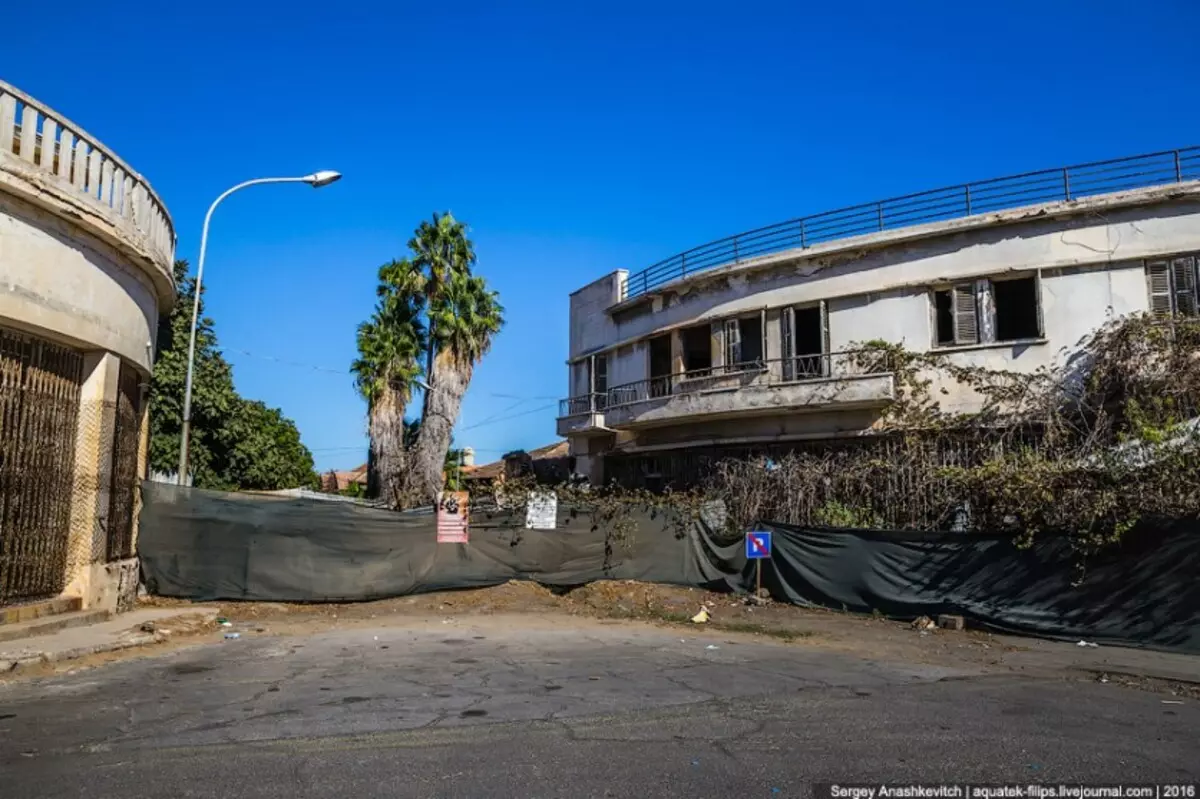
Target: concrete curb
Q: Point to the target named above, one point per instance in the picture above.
(152, 632)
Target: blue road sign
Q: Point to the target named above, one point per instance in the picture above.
(758, 545)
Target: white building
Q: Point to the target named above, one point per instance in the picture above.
(742, 343)
(86, 252)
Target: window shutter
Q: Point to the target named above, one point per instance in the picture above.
(1158, 281)
(966, 318)
(733, 343)
(1183, 280)
(787, 341)
(825, 362)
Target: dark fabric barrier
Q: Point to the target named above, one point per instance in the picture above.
(211, 545)
(207, 545)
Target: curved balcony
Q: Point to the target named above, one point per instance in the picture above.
(953, 202)
(48, 160)
(836, 380)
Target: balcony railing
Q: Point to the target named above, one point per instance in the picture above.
(953, 202)
(756, 374)
(588, 403)
(78, 162)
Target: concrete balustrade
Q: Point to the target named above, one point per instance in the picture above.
(79, 163)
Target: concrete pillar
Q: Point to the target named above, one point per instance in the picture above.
(676, 352)
(774, 349)
(92, 489)
(143, 467)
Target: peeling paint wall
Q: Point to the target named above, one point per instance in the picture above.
(61, 283)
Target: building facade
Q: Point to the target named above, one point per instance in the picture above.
(86, 249)
(749, 342)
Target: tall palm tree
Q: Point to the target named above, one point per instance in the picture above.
(390, 346)
(435, 318)
(463, 320)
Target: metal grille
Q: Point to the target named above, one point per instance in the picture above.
(127, 432)
(39, 407)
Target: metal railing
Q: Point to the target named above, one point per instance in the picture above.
(753, 374)
(48, 141)
(953, 202)
(585, 403)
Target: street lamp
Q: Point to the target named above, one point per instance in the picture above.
(316, 180)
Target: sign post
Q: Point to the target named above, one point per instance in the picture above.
(758, 548)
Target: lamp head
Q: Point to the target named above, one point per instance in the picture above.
(322, 178)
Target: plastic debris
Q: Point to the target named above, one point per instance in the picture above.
(712, 646)
(226, 624)
(233, 636)
(1172, 702)
(702, 617)
(924, 623)
(1087, 643)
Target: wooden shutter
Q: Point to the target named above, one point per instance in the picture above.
(966, 317)
(733, 343)
(787, 340)
(1183, 282)
(825, 361)
(1158, 281)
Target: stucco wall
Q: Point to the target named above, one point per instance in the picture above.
(58, 281)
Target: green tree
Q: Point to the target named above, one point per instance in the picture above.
(434, 318)
(235, 443)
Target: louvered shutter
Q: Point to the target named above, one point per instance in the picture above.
(733, 344)
(787, 324)
(1158, 281)
(966, 317)
(1183, 282)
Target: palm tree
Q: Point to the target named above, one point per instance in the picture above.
(432, 310)
(463, 320)
(390, 345)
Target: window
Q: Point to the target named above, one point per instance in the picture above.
(1172, 286)
(805, 341)
(987, 311)
(599, 374)
(743, 342)
(697, 349)
(660, 365)
(1016, 308)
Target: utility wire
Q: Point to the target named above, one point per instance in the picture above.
(346, 373)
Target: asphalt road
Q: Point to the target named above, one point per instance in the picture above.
(562, 708)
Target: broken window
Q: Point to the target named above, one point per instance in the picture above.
(804, 338)
(599, 374)
(1172, 286)
(697, 349)
(744, 342)
(660, 365)
(985, 311)
(1016, 308)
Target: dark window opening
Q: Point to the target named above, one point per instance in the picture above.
(750, 333)
(810, 342)
(660, 366)
(944, 305)
(600, 374)
(1016, 309)
(697, 348)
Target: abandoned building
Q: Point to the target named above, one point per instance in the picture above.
(86, 249)
(745, 344)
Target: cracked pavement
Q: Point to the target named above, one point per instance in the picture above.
(525, 706)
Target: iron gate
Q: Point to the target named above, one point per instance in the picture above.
(39, 410)
(127, 432)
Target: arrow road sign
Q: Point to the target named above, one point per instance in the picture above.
(758, 545)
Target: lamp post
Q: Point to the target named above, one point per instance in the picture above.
(316, 180)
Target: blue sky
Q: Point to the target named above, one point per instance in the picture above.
(572, 140)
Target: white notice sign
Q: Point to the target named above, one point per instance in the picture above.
(541, 512)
